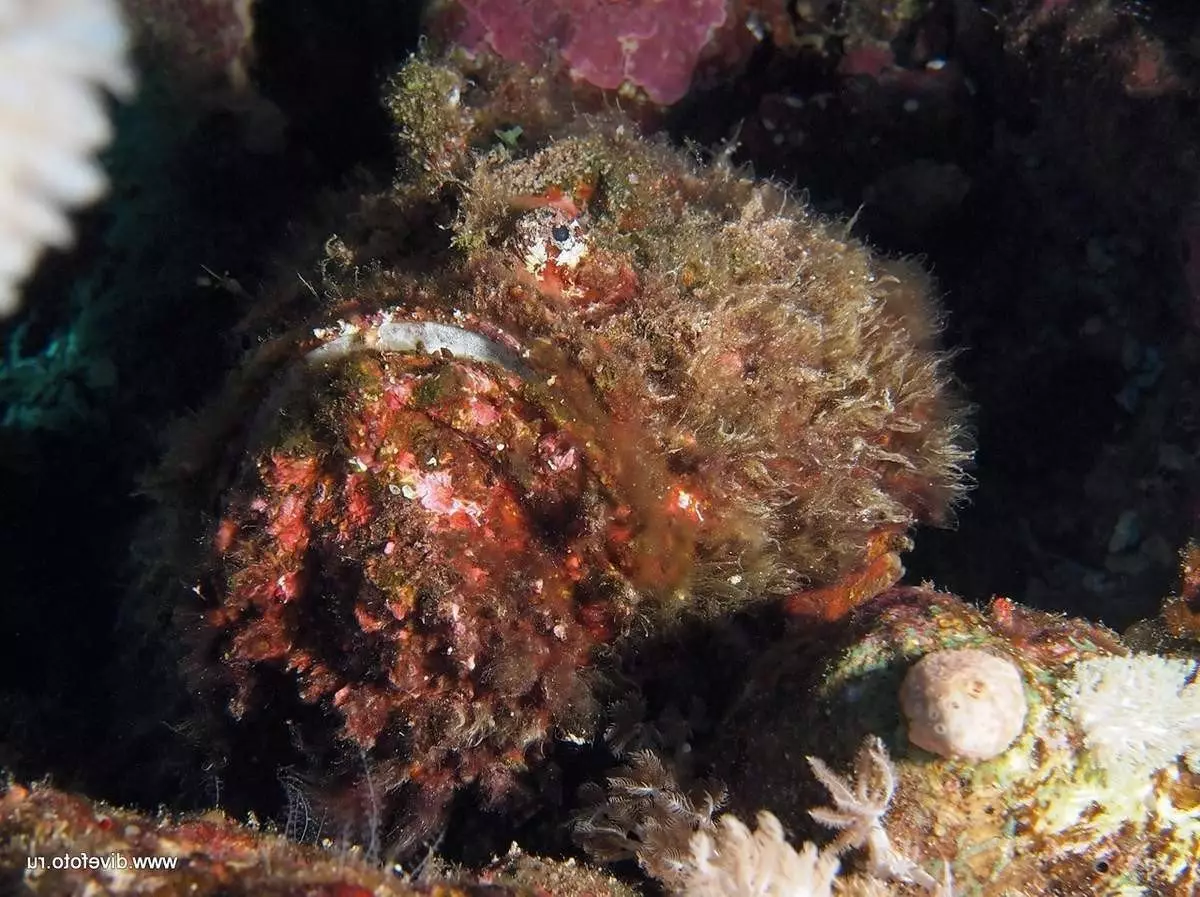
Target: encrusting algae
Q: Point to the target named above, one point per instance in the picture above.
(1096, 792)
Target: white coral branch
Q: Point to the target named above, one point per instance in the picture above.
(646, 815)
(859, 806)
(56, 58)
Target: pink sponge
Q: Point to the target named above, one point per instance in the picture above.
(654, 44)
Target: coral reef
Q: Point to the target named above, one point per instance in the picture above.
(653, 53)
(644, 814)
(1180, 616)
(635, 389)
(738, 861)
(1175, 630)
(1138, 714)
(650, 54)
(1096, 792)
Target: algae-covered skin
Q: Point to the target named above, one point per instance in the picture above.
(544, 398)
(1063, 809)
(783, 371)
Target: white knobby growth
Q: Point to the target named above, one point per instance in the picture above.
(964, 703)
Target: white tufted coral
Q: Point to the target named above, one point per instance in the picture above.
(56, 59)
(736, 861)
(1138, 714)
(963, 703)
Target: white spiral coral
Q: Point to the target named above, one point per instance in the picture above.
(964, 703)
(56, 59)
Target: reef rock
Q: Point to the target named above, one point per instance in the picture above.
(1098, 792)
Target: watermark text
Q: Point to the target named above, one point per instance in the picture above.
(99, 861)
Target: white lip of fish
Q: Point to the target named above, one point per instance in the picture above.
(422, 337)
(425, 337)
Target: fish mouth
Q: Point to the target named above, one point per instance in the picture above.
(422, 337)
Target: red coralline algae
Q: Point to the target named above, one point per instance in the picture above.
(653, 44)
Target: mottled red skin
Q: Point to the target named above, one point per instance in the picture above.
(416, 556)
(432, 560)
(597, 286)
